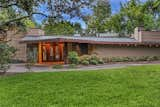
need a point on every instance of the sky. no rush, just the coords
(115, 6)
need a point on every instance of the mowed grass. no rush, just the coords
(128, 87)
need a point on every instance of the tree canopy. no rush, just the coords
(102, 12)
(54, 9)
(61, 28)
(133, 14)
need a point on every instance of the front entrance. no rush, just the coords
(52, 52)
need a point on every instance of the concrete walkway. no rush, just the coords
(20, 68)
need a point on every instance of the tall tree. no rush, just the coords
(102, 12)
(61, 28)
(133, 14)
(54, 9)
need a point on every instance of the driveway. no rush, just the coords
(20, 68)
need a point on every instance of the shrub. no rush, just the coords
(116, 59)
(6, 53)
(72, 66)
(92, 59)
(131, 59)
(85, 62)
(155, 58)
(95, 57)
(57, 66)
(73, 57)
(93, 62)
(143, 58)
(101, 61)
(85, 58)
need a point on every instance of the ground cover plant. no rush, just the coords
(127, 87)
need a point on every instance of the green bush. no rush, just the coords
(57, 66)
(115, 59)
(92, 59)
(93, 62)
(101, 61)
(95, 57)
(85, 62)
(85, 58)
(72, 66)
(73, 58)
(6, 53)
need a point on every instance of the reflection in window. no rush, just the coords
(44, 54)
(51, 51)
(57, 52)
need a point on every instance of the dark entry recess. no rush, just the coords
(83, 48)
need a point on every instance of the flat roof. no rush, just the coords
(98, 40)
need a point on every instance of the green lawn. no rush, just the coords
(129, 87)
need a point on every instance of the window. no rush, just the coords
(83, 48)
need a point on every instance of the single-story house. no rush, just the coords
(55, 49)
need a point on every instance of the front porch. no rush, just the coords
(47, 52)
(52, 53)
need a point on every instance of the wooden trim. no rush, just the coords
(40, 53)
(53, 63)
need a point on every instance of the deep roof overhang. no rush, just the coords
(91, 40)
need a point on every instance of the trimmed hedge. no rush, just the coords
(131, 59)
(94, 59)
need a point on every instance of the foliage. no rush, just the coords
(91, 59)
(62, 28)
(21, 25)
(102, 12)
(57, 66)
(72, 66)
(134, 14)
(6, 54)
(101, 61)
(18, 10)
(77, 28)
(29, 23)
(131, 59)
(73, 57)
(85, 58)
(94, 62)
(85, 62)
(95, 57)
